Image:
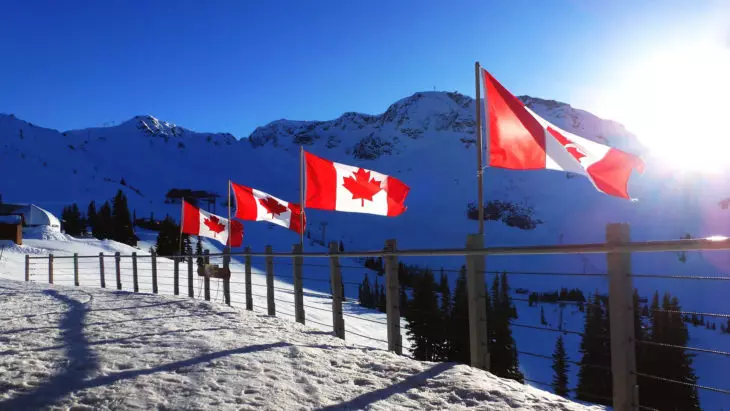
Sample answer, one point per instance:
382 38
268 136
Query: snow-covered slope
88 349
426 140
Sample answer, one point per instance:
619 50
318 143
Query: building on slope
32 215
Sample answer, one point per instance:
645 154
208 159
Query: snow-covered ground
84 349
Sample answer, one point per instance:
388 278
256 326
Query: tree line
111 221
438 327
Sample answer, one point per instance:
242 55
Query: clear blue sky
230 66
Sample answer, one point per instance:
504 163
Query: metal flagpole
301 195
480 148
182 217
230 229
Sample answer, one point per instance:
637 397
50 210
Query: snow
427 141
10 219
83 349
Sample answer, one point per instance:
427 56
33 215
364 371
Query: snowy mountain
428 141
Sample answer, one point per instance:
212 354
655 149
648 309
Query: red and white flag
339 187
200 222
519 139
255 205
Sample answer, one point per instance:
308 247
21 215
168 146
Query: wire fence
149 273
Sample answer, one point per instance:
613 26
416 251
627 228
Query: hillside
90 349
426 140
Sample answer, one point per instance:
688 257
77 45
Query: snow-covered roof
10 219
34 215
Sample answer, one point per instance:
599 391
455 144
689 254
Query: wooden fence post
50 268
27 267
338 322
298 284
621 313
191 286
270 304
227 280
206 279
476 292
76 269
102 280
135 279
392 300
118 269
153 257
176 276
249 292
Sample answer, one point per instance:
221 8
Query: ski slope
427 141
84 349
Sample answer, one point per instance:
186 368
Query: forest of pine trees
438 327
111 221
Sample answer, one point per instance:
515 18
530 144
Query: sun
677 102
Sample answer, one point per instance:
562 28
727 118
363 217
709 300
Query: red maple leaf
362 186
570 147
272 206
214 224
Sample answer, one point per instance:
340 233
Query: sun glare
677 102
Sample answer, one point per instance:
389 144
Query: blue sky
230 66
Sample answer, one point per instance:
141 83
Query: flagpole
230 229
480 148
301 196
182 216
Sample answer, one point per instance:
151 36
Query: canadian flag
252 204
199 222
339 187
519 139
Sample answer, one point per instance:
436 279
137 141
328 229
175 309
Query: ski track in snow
83 349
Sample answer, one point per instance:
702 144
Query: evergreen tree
458 341
422 322
73 220
168 238
382 302
187 245
376 295
668 327
445 317
594 378
342 247
503 351
199 251
104 224
364 294
403 301
560 368
123 231
91 217
542 316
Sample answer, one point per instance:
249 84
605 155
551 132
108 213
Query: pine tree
91 217
422 322
668 327
104 224
342 247
503 350
594 378
542 316
403 301
365 295
168 238
123 231
459 322
382 302
199 251
560 368
376 295
445 316
73 220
